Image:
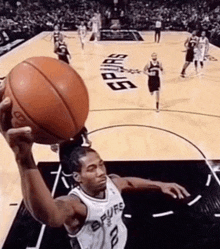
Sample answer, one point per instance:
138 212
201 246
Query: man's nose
100 172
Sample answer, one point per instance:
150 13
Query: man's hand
19 139
174 190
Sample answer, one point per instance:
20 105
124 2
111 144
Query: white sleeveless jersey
103 227
202 42
95 24
158 24
82 31
201 51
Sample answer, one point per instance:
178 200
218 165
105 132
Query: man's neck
98 195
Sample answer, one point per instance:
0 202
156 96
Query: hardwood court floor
123 124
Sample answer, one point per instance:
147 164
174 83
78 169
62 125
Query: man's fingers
5 114
20 140
4 104
2 88
180 191
23 133
179 194
183 190
171 194
176 190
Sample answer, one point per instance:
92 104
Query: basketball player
94 23
92 211
82 31
201 50
56 34
190 45
99 17
158 26
152 69
61 50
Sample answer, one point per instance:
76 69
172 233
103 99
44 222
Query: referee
158 26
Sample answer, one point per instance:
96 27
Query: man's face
203 34
93 173
154 57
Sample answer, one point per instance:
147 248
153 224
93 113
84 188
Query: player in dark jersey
56 34
152 69
61 50
83 211
190 45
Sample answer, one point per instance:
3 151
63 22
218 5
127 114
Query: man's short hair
74 160
70 161
70 157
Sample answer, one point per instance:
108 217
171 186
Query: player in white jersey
95 24
92 211
158 26
103 227
201 50
82 31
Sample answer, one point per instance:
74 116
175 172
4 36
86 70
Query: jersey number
114 236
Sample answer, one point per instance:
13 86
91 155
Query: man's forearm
136 183
173 189
36 195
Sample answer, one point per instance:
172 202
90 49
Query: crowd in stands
26 18
180 16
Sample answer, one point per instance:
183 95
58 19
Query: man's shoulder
113 176
71 197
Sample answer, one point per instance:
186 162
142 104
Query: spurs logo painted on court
113 67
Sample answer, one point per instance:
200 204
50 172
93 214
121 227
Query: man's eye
91 169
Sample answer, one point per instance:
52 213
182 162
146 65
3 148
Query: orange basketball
49 96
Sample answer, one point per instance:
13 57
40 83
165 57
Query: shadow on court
153 219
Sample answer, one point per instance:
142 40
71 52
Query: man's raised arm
130 184
36 195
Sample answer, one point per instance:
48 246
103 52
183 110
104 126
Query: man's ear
77 177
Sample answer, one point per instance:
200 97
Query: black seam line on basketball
72 117
49 132
161 110
151 127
